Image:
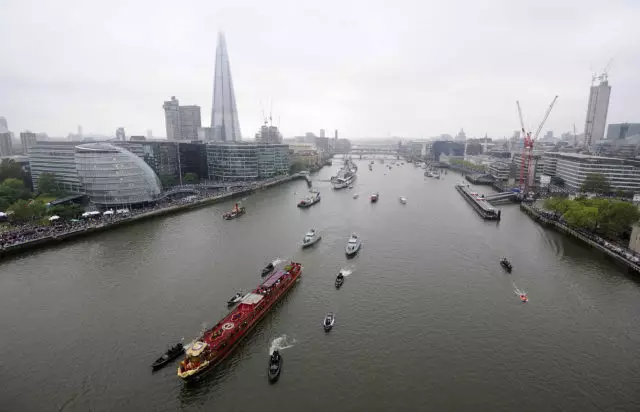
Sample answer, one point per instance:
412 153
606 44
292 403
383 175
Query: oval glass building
114 176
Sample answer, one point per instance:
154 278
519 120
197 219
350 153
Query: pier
484 209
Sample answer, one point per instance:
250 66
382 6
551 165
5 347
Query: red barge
218 342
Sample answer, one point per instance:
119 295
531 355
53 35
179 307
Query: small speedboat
234 213
168 356
350 186
310 200
374 197
310 238
403 200
506 264
236 298
356 196
329 321
524 298
353 245
339 280
267 269
275 366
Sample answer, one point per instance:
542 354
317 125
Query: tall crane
528 145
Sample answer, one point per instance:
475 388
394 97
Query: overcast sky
368 68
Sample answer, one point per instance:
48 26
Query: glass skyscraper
224 113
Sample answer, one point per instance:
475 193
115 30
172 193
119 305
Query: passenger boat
310 238
339 280
310 200
235 212
506 264
403 200
236 298
356 196
346 176
217 343
374 197
329 321
275 366
168 356
267 269
353 245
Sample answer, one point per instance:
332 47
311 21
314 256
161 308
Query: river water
427 320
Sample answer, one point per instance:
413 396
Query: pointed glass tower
224 114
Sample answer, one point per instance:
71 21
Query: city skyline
421 77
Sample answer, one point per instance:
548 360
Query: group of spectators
622 251
17 233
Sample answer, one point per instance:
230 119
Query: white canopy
108 212
55 217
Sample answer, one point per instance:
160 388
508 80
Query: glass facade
224 113
247 161
57 158
112 175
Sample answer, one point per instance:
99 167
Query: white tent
55 217
108 213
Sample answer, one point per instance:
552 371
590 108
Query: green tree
616 218
190 178
596 183
582 216
48 184
168 180
26 210
13 183
297 166
558 181
71 211
10 169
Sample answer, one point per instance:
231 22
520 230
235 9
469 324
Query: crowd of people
621 251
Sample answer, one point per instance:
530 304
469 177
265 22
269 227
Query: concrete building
6 145
57 158
182 122
597 111
113 176
305 154
573 168
322 145
4 127
172 118
500 169
269 134
322 133
622 130
224 112
461 136
120 135
27 139
190 122
206 134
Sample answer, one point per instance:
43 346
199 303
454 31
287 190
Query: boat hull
352 252
313 242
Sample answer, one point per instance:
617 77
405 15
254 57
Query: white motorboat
403 200
329 321
310 238
353 245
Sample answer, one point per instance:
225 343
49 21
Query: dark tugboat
374 197
235 212
339 280
506 264
275 366
168 356
267 269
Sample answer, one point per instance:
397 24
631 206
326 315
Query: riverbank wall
538 217
57 239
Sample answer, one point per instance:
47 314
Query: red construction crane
528 146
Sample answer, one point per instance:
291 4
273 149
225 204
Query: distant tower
322 133
120 134
80 131
4 127
172 118
597 110
149 134
335 134
224 113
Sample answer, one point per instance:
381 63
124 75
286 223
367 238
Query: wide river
427 320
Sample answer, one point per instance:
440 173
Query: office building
57 158
189 122
229 162
113 176
573 168
6 145
224 113
182 122
27 139
597 111
500 169
4 127
120 134
305 154
622 130
322 132
172 118
322 144
268 134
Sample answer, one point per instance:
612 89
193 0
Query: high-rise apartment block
597 111
182 122
120 135
27 139
6 147
4 127
224 113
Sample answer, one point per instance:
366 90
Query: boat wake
346 271
280 343
519 292
277 261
